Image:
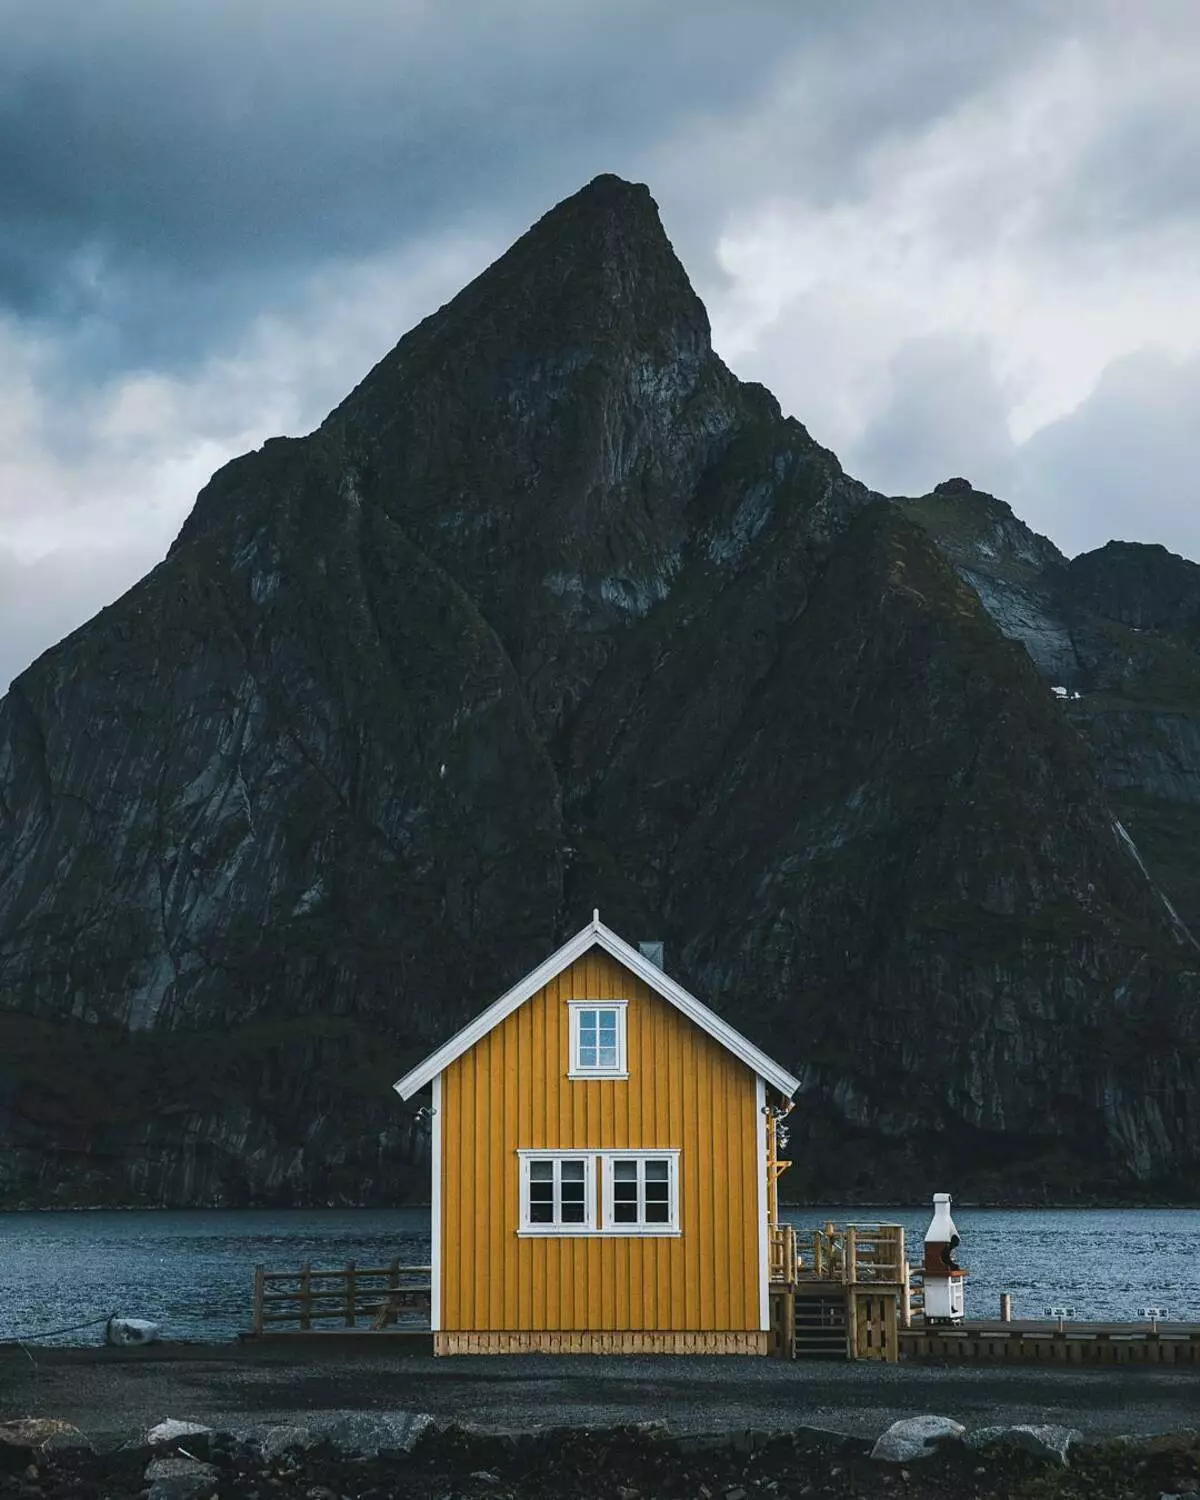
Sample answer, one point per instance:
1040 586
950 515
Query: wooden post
305 1298
891 1334
905 1293
259 1285
351 1291
1006 1307
772 1174
850 1254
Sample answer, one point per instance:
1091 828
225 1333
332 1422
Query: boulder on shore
915 1437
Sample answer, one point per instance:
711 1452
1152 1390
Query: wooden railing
781 1244
361 1297
876 1252
856 1254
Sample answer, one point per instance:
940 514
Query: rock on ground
171 1430
180 1479
31 1435
356 1435
915 1437
1045 1440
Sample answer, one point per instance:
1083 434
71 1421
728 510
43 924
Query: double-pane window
598 1037
557 1193
641 1193
597 1040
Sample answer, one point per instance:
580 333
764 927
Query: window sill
581 1074
640 1232
556 1231
577 1231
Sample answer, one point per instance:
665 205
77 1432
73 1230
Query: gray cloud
165 166
943 414
217 214
167 170
43 601
1125 464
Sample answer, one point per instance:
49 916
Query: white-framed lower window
558 1192
598 1046
640 1192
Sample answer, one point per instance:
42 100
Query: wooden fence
369 1298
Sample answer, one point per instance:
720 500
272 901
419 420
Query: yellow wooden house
601 1176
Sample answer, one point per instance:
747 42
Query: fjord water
191 1269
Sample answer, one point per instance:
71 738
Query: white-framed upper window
640 1191
558 1192
598 1039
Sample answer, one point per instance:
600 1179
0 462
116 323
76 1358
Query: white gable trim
596 935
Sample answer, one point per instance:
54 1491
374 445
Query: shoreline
99 1388
960 1205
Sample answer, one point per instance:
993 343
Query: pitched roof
596 935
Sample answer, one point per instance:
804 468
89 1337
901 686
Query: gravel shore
113 1393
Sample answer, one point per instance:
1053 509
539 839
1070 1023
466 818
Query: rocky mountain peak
596 274
977 531
1137 584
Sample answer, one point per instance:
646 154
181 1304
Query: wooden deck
838 1293
1049 1342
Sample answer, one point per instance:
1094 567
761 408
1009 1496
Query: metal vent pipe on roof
653 952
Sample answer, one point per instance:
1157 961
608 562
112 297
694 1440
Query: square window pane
625 1213
587 1056
572 1171
625 1171
588 1020
541 1212
573 1213
657 1171
608 1057
658 1213
541 1171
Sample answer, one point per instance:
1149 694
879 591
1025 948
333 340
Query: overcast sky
953 238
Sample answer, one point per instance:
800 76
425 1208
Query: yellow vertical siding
684 1091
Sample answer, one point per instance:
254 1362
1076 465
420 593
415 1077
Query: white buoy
943 1276
130 1331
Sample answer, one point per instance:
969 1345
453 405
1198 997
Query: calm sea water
192 1270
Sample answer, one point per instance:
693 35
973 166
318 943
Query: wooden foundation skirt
566 1342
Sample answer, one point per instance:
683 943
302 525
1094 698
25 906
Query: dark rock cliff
554 612
1116 633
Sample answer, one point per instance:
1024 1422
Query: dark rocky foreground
283 1423
614 1464
554 612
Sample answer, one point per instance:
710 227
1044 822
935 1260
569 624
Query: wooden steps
821 1329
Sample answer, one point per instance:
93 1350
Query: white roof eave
595 934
